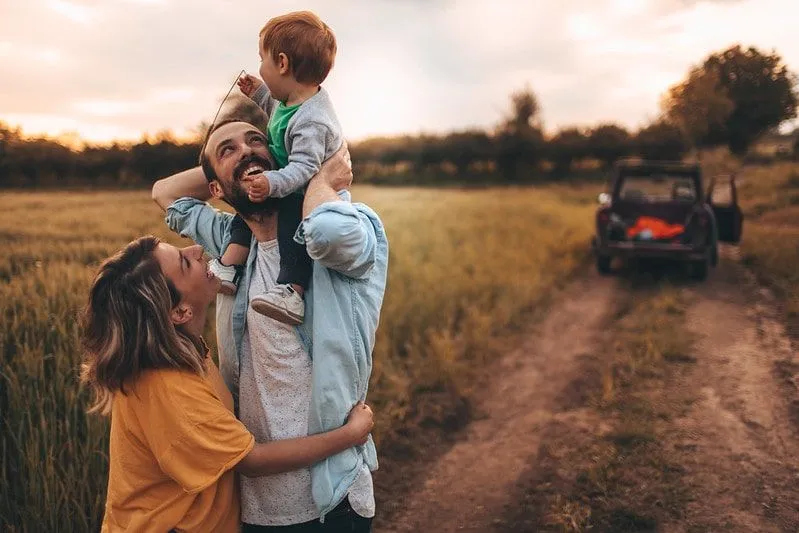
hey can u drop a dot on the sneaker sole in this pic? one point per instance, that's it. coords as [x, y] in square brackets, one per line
[276, 313]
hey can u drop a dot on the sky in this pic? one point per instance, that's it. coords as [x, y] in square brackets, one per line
[115, 69]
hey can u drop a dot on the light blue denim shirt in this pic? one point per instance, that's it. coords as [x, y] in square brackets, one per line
[348, 244]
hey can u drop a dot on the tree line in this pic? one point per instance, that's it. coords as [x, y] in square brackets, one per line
[731, 99]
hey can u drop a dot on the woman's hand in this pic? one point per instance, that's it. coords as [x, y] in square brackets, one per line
[360, 422]
[248, 84]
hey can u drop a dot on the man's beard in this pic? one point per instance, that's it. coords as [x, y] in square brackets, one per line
[236, 195]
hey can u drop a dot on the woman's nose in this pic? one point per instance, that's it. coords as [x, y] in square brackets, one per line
[197, 252]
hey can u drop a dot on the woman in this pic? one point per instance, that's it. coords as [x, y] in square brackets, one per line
[175, 442]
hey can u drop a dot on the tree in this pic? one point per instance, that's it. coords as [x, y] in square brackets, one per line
[565, 147]
[609, 143]
[661, 141]
[732, 98]
[519, 139]
[463, 148]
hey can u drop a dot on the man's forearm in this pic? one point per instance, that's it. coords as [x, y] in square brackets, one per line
[318, 193]
[190, 182]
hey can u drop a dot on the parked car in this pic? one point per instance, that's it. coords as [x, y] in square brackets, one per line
[660, 210]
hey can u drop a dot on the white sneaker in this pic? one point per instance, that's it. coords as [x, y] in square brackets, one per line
[228, 277]
[281, 303]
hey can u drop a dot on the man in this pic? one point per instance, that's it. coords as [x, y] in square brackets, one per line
[286, 388]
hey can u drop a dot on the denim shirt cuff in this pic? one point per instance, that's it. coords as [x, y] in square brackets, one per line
[344, 207]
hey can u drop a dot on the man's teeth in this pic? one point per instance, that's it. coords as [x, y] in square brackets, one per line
[253, 169]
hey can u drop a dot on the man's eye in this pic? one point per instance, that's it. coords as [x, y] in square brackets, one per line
[225, 150]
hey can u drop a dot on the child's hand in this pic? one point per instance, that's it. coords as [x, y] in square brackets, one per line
[360, 421]
[259, 188]
[248, 84]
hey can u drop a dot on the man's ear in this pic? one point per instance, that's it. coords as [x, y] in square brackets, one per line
[216, 190]
[180, 314]
[283, 64]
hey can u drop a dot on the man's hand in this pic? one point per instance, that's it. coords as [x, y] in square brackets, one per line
[336, 172]
[258, 191]
[248, 84]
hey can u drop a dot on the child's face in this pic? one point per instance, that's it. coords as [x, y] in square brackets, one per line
[275, 74]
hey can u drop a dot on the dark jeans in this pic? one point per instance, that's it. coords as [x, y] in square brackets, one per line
[295, 265]
[342, 519]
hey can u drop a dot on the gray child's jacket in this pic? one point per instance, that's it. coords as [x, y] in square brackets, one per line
[313, 135]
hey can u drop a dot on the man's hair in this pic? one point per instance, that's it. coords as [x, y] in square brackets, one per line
[308, 42]
[127, 326]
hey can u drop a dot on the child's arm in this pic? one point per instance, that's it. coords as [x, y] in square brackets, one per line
[257, 91]
[305, 160]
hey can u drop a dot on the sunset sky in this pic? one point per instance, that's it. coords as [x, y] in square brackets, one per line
[119, 68]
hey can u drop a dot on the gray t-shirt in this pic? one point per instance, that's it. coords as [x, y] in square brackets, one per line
[274, 401]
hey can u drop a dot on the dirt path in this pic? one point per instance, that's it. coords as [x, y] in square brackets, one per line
[738, 443]
[469, 487]
[725, 425]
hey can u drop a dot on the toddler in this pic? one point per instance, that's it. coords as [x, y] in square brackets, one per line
[297, 52]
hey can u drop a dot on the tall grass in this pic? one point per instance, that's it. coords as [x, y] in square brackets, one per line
[769, 196]
[466, 268]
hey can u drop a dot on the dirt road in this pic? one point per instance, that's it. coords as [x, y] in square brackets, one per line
[728, 433]
[468, 488]
[739, 443]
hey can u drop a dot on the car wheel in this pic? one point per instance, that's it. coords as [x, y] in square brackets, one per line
[603, 264]
[699, 269]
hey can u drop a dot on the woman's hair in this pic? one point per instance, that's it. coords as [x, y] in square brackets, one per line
[127, 326]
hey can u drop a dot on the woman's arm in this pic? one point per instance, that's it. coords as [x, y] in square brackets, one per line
[190, 183]
[292, 454]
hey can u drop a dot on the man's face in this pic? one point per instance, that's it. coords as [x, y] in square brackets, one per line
[238, 152]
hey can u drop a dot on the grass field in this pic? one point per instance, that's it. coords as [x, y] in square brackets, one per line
[467, 269]
[769, 197]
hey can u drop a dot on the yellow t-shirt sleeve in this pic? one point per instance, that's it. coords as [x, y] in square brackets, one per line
[194, 437]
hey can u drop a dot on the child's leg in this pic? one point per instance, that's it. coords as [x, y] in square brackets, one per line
[228, 268]
[235, 255]
[295, 264]
[283, 302]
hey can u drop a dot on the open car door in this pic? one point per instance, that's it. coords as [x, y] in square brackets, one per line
[722, 196]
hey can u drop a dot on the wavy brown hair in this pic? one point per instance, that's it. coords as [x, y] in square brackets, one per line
[127, 327]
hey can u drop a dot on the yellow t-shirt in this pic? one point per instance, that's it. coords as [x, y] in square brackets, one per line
[174, 442]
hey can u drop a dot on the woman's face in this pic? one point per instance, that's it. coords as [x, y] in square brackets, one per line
[188, 271]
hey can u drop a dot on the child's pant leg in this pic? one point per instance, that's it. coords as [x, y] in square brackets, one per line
[240, 232]
[295, 264]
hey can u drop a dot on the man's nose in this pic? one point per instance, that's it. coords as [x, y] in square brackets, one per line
[245, 150]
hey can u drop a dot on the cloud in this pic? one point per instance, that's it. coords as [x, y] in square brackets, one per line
[129, 66]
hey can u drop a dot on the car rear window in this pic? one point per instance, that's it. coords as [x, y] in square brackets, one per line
[658, 188]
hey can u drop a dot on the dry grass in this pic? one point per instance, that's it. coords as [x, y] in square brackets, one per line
[769, 197]
[466, 269]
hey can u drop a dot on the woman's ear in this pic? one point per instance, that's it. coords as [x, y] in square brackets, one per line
[216, 190]
[180, 314]
[283, 64]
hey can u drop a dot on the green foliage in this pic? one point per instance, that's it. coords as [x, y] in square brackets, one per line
[734, 97]
[661, 141]
[565, 147]
[608, 143]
